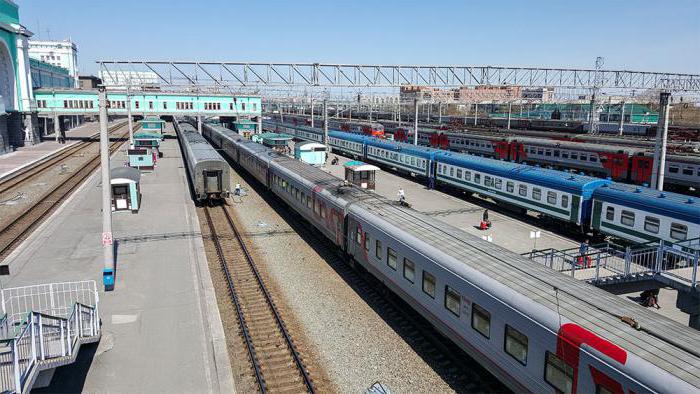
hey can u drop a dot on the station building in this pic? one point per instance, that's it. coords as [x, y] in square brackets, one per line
[18, 118]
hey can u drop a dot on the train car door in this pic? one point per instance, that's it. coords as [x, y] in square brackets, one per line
[641, 169]
[212, 181]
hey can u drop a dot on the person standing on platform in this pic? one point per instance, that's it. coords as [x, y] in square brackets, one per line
[401, 195]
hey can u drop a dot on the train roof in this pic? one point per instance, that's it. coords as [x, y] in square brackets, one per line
[560, 180]
[197, 144]
[676, 205]
[579, 145]
[403, 147]
[346, 136]
[519, 282]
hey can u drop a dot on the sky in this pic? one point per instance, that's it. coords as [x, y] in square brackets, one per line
[644, 35]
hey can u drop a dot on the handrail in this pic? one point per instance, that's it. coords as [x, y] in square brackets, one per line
[41, 336]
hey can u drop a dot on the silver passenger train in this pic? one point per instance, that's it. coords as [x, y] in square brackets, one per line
[208, 171]
[535, 329]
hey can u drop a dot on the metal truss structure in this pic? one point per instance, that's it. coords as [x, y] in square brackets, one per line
[236, 75]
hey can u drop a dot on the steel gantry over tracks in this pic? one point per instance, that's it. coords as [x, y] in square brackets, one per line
[252, 74]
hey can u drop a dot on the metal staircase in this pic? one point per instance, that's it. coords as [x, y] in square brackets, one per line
[43, 327]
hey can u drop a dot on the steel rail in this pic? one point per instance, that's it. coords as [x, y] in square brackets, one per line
[234, 297]
[58, 197]
[268, 298]
[26, 173]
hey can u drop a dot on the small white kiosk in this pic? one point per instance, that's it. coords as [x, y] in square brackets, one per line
[126, 192]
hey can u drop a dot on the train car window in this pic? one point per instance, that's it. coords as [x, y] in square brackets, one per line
[488, 181]
[477, 178]
[516, 344]
[452, 171]
[522, 190]
[366, 241]
[409, 270]
[358, 235]
[323, 211]
[548, 152]
[413, 161]
[565, 155]
[651, 224]
[378, 249]
[459, 173]
[687, 171]
[510, 187]
[679, 231]
[428, 284]
[574, 156]
[317, 209]
[558, 374]
[593, 158]
[540, 152]
[391, 258]
[627, 218]
[230, 106]
[481, 320]
[452, 300]
[673, 170]
[536, 193]
[498, 182]
[467, 176]
[556, 153]
[610, 214]
[552, 198]
[564, 201]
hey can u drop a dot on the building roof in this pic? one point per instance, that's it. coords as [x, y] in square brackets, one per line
[560, 180]
[675, 205]
[309, 146]
[124, 175]
[360, 166]
[276, 136]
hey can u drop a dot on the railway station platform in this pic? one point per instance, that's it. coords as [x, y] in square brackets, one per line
[506, 231]
[161, 329]
[27, 155]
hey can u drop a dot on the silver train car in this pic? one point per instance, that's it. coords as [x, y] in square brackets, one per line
[208, 171]
[534, 328]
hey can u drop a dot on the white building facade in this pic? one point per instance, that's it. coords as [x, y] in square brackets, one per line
[58, 53]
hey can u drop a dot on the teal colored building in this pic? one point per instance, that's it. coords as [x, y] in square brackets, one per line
[45, 75]
[18, 114]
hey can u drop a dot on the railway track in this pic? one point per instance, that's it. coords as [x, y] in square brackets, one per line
[276, 363]
[17, 230]
[460, 371]
[29, 173]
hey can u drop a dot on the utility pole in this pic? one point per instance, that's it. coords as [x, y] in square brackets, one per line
[325, 123]
[312, 112]
[510, 104]
[622, 118]
[476, 112]
[657, 172]
[399, 109]
[128, 114]
[107, 239]
[593, 119]
[415, 122]
[440, 112]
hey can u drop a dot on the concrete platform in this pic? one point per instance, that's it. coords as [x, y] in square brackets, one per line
[161, 324]
[506, 231]
[26, 155]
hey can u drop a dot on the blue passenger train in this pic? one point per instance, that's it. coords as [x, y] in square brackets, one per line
[568, 197]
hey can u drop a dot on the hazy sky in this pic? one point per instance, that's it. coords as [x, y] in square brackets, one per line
[648, 35]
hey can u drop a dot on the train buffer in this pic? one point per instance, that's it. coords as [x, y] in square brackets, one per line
[43, 327]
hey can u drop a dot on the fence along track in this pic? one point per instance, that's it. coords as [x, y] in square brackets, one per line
[276, 362]
[26, 174]
[16, 231]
